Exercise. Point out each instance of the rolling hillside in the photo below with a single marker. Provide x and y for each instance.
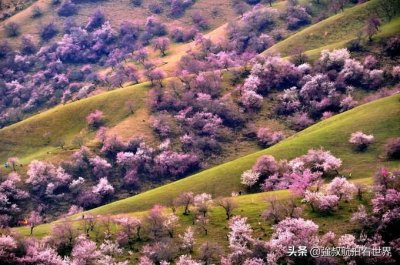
(380, 117)
(217, 12)
(27, 139)
(191, 113)
(335, 31)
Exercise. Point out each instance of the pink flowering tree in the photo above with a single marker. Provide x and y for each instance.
(202, 203)
(361, 217)
(267, 137)
(249, 178)
(251, 100)
(101, 167)
(85, 251)
(103, 188)
(40, 176)
(240, 238)
(392, 148)
(210, 252)
(291, 232)
(333, 59)
(95, 118)
(266, 165)
(188, 240)
(228, 204)
(161, 44)
(129, 233)
(169, 163)
(396, 73)
(342, 188)
(155, 76)
(170, 223)
(8, 246)
(34, 219)
(323, 203)
(187, 260)
(155, 220)
(303, 180)
(38, 252)
(13, 162)
(185, 199)
(11, 198)
(321, 160)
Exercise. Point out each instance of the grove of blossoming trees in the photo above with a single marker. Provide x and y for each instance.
(195, 116)
(40, 75)
(154, 235)
(297, 174)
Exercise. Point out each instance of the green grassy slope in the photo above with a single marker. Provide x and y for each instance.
(250, 206)
(333, 32)
(25, 139)
(381, 118)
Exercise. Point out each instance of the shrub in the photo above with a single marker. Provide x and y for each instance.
(372, 26)
(210, 252)
(300, 121)
(137, 2)
(342, 188)
(334, 59)
(321, 202)
(36, 12)
(392, 148)
(392, 47)
(361, 140)
(95, 118)
(161, 44)
(321, 160)
(266, 165)
(289, 232)
(370, 62)
(249, 178)
(96, 20)
(289, 101)
(67, 9)
(274, 73)
(170, 163)
(156, 8)
(354, 45)
(266, 137)
(297, 16)
(251, 100)
(396, 73)
(12, 29)
(27, 45)
(48, 31)
(154, 26)
(155, 76)
(178, 7)
(200, 20)
(253, 2)
(182, 35)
